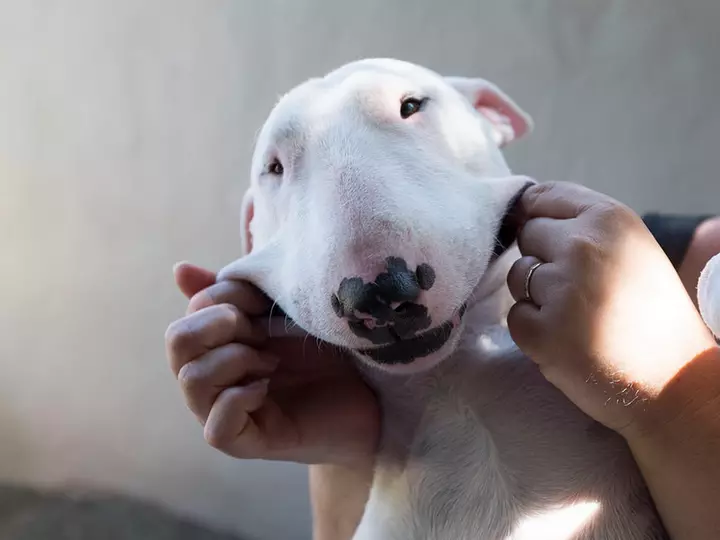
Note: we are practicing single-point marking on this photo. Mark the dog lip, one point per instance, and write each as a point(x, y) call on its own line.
point(507, 233)
point(408, 350)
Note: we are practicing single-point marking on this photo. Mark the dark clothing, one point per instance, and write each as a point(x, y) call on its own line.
point(673, 232)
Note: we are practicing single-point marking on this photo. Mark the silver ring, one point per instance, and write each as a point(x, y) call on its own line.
point(528, 277)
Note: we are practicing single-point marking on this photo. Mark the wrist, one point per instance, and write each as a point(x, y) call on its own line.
point(360, 459)
point(688, 406)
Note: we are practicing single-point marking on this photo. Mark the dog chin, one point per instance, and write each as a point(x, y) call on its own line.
point(420, 352)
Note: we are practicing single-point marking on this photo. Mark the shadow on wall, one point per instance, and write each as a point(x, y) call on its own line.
point(16, 449)
point(79, 514)
point(27, 514)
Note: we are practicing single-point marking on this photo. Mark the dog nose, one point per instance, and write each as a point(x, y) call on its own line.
point(386, 310)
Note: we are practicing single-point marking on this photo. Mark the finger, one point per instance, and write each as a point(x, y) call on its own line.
point(543, 238)
point(198, 333)
point(203, 379)
point(230, 428)
point(241, 294)
point(526, 329)
point(559, 200)
point(540, 285)
point(192, 279)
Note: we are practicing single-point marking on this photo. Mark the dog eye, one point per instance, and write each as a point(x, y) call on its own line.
point(410, 106)
point(276, 168)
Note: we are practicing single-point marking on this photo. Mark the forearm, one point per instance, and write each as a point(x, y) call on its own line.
point(677, 447)
point(338, 495)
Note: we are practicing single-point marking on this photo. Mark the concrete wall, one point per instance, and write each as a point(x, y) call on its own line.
point(125, 134)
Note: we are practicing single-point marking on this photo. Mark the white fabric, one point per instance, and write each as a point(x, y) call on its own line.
point(709, 294)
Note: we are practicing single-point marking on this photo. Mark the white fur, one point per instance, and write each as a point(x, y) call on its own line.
point(475, 443)
point(709, 294)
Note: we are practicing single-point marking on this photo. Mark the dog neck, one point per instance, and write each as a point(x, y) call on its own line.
point(491, 300)
point(405, 398)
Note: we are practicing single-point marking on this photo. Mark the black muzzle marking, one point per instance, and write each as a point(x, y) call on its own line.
point(384, 311)
point(407, 351)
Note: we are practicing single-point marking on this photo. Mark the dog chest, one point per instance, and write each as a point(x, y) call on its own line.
point(484, 448)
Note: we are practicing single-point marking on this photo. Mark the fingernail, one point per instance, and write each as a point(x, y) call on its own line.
point(178, 265)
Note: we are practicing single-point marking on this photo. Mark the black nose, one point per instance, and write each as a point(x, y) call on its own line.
point(385, 310)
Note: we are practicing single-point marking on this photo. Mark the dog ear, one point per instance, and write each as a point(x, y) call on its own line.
point(509, 121)
point(247, 212)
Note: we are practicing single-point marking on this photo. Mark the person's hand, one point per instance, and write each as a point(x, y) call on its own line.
point(287, 398)
point(608, 320)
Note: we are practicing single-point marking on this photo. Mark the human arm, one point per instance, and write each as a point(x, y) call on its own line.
point(676, 445)
point(694, 423)
point(338, 494)
point(689, 241)
point(612, 326)
point(315, 410)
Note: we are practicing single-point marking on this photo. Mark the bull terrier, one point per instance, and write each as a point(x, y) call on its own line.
point(378, 195)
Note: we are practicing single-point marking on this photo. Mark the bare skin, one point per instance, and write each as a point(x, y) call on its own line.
point(608, 304)
point(216, 354)
point(610, 309)
point(282, 399)
point(671, 421)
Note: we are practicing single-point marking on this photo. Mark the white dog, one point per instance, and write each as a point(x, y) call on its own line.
point(376, 198)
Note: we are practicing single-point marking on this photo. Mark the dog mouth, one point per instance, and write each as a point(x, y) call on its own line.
point(408, 350)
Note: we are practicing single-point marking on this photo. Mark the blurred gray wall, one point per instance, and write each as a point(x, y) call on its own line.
point(125, 133)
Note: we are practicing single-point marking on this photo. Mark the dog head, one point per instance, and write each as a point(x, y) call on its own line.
point(375, 202)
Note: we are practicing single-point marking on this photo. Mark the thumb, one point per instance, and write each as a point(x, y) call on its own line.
point(192, 279)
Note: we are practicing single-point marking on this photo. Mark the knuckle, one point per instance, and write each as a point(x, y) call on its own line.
point(178, 336)
point(544, 187)
point(526, 235)
point(240, 294)
point(199, 301)
point(228, 314)
point(513, 318)
point(585, 249)
point(247, 356)
point(566, 295)
point(244, 351)
point(613, 216)
point(190, 379)
point(215, 437)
